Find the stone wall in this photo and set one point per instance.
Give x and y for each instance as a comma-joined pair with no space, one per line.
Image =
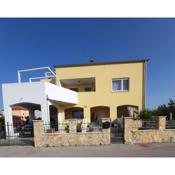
132,134
42,139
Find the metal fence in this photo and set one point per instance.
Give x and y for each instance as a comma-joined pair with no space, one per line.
170,124
148,125
17,134
117,131
80,127
51,128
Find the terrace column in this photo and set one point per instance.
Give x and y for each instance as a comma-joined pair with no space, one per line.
45,112
9,121
87,114
113,112
60,119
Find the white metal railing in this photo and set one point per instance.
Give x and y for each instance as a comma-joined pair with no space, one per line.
39,78
49,74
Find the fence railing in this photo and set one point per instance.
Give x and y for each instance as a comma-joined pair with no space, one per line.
64,127
170,124
16,130
16,134
148,125
2,131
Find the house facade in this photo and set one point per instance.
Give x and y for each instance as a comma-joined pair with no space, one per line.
109,89
81,91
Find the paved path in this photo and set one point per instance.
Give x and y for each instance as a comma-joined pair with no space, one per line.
113,150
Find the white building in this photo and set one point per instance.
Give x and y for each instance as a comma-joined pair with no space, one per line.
35,96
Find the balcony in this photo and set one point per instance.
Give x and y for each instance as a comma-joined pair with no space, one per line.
35,92
80,84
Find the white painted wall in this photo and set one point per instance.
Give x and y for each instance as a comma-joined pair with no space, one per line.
36,93
23,92
61,94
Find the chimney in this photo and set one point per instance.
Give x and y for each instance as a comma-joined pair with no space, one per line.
92,60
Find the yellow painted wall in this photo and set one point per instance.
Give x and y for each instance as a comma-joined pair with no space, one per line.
103,96
80,86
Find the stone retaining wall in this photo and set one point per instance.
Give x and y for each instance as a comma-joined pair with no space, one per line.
132,134
42,139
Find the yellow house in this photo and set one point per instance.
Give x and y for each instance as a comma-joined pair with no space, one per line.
106,89
103,90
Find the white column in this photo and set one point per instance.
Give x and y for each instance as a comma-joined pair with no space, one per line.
8,121
59,115
59,118
45,114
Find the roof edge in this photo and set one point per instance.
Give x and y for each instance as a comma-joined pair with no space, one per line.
102,63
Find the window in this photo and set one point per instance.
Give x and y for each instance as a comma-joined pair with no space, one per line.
77,114
120,84
87,89
126,85
74,89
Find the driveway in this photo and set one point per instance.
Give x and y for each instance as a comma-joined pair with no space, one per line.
113,150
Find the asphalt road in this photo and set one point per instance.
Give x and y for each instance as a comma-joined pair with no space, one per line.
113,150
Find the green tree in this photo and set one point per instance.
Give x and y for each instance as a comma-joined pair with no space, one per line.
146,114
162,110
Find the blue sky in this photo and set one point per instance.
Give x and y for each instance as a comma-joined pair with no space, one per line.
26,43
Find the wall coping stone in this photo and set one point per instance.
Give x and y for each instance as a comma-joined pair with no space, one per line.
162,116
149,130
54,133
37,120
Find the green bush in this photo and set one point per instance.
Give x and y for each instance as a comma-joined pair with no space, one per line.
146,114
66,128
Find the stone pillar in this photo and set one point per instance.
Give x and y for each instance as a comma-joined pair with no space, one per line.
107,132
127,130
129,125
73,126
38,128
161,123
